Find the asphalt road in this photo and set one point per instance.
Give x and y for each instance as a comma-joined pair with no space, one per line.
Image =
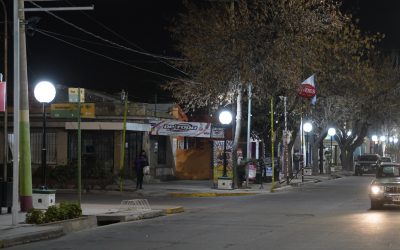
329,215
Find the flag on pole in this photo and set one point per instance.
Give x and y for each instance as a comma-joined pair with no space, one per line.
307,88
3,93
313,100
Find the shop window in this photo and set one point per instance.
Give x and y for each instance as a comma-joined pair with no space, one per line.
162,150
191,143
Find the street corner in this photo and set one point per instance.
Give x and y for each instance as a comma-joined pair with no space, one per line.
173,210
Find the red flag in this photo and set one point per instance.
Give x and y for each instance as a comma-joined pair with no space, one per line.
3,96
307,88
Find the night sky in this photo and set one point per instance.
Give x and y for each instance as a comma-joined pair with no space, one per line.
140,25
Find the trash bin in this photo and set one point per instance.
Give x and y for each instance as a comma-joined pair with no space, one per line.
6,195
307,171
43,198
225,183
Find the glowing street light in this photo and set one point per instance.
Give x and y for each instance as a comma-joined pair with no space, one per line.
307,127
225,118
44,92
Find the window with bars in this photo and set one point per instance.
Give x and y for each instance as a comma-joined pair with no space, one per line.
36,148
97,148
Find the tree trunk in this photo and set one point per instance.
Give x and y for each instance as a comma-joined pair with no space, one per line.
290,155
316,145
314,157
321,157
237,136
347,159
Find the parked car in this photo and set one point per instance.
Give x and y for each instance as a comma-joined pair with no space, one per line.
385,188
367,163
386,159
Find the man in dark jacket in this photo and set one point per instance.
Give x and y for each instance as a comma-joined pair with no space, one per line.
140,163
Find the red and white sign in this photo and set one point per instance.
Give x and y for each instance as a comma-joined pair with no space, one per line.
307,88
3,93
188,129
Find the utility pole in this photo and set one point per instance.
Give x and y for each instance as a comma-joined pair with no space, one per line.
272,145
286,153
16,115
79,148
25,145
21,111
285,137
122,160
248,134
5,157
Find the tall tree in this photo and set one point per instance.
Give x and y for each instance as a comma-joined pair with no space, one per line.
262,42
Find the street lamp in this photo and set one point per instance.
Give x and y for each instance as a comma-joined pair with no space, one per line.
307,127
44,92
225,118
331,133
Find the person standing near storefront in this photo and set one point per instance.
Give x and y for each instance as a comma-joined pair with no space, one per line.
140,163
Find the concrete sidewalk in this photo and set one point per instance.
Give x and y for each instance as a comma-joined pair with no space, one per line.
24,233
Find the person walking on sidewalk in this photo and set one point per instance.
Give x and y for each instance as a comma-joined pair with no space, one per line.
140,163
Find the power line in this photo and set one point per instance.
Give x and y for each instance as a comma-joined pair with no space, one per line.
90,42
113,59
75,38
113,43
124,39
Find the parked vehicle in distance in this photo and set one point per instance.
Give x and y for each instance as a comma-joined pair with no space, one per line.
386,159
367,163
385,188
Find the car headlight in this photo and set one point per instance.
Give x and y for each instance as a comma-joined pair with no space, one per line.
375,189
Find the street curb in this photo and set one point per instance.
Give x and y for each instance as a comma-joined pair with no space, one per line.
211,194
174,210
124,216
32,237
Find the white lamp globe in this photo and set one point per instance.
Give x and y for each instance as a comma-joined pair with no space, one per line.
307,127
44,92
390,139
382,138
374,138
225,117
395,140
349,133
331,131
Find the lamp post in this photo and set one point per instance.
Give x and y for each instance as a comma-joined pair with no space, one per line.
44,92
307,127
374,138
225,118
395,141
382,139
331,133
